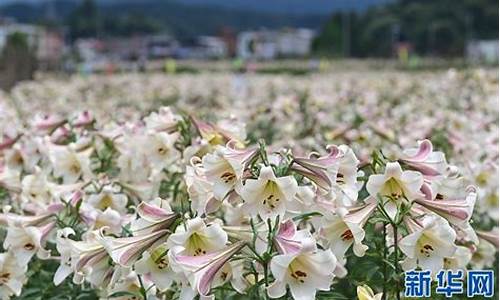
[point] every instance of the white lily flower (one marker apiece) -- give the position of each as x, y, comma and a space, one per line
12, 276
429, 243
456, 211
133, 163
224, 168
90, 261
346, 228
63, 246
207, 270
290, 240
303, 200
395, 184
110, 221
161, 152
198, 238
126, 250
163, 120
346, 185
425, 160
484, 255
142, 191
200, 189
459, 260
108, 198
35, 188
70, 164
321, 170
128, 282
10, 179
27, 241
366, 293
155, 264
305, 272
268, 195
153, 216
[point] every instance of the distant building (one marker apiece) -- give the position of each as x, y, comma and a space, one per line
49, 45
8, 27
161, 46
51, 48
89, 49
204, 47
482, 51
267, 44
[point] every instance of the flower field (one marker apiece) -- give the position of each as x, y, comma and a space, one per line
246, 186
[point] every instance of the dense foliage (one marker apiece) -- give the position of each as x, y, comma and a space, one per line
432, 27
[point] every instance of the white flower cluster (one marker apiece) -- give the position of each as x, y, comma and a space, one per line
171, 206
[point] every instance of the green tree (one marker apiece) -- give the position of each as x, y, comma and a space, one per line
18, 61
85, 20
432, 27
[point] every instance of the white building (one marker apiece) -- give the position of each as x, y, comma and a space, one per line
48, 45
32, 32
267, 44
482, 50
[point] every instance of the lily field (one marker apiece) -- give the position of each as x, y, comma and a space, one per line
223, 185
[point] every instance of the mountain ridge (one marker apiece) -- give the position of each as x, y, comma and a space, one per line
296, 7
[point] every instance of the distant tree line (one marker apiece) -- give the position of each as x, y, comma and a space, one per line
92, 18
431, 27
88, 21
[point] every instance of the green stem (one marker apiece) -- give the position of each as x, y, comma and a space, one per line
266, 280
262, 152
396, 262
143, 289
384, 295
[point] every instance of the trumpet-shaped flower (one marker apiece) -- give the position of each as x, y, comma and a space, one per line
268, 195
163, 120
322, 170
127, 283
484, 254
89, 260
366, 293
12, 276
200, 189
35, 188
153, 216
207, 270
491, 236
457, 212
63, 246
161, 151
10, 179
155, 264
459, 260
289, 240
305, 272
126, 250
346, 228
395, 184
428, 244
424, 160
224, 168
346, 185
108, 198
70, 164
110, 221
27, 241
198, 238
